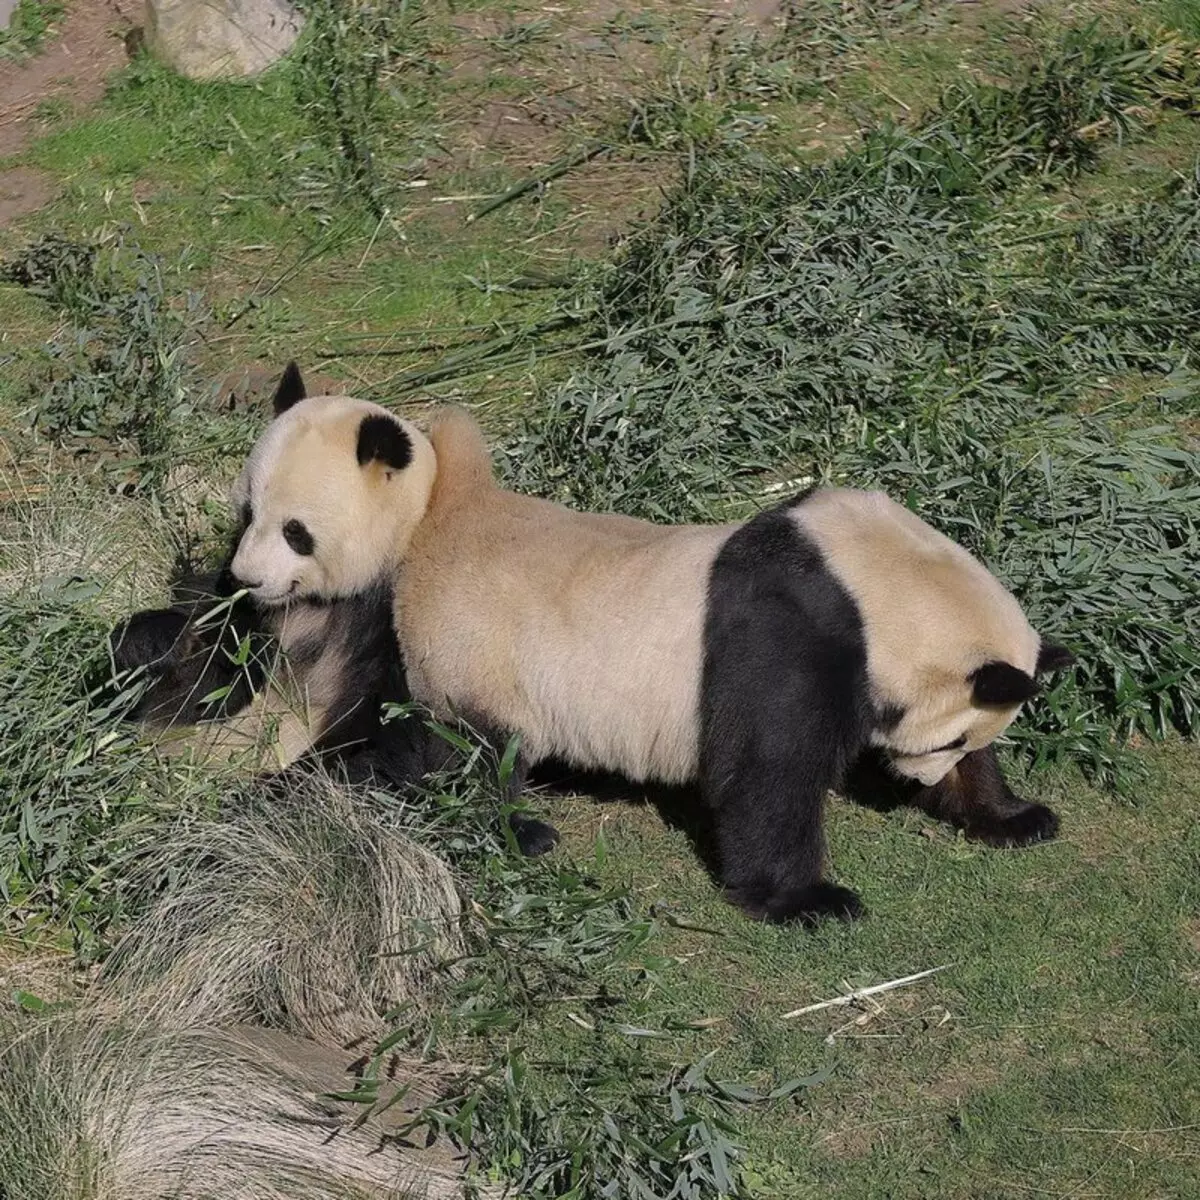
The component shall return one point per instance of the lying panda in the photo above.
(285, 680)
(761, 660)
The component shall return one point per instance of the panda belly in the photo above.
(621, 696)
(592, 655)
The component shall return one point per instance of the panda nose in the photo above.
(241, 581)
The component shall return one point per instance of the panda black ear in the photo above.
(380, 439)
(1000, 684)
(1053, 658)
(291, 389)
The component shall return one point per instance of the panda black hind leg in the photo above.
(533, 836)
(784, 710)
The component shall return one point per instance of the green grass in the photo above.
(1183, 15)
(980, 307)
(28, 26)
(1068, 997)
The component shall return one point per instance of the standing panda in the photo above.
(285, 680)
(761, 660)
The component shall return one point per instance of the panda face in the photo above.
(926, 741)
(327, 500)
(946, 748)
(951, 655)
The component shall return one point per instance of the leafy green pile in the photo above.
(74, 787)
(914, 316)
(117, 372)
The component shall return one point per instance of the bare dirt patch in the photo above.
(23, 190)
(88, 47)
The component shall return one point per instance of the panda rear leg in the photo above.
(534, 837)
(420, 753)
(974, 797)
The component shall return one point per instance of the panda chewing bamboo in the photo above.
(322, 663)
(761, 660)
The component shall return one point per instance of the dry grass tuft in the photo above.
(95, 1108)
(300, 909)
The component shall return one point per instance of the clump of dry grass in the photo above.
(95, 1107)
(57, 529)
(207, 1059)
(302, 907)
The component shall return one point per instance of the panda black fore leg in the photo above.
(783, 712)
(974, 797)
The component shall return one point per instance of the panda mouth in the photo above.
(279, 597)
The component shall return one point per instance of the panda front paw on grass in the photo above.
(761, 663)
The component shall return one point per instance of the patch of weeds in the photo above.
(517, 35)
(1085, 86)
(117, 372)
(347, 79)
(52, 110)
(730, 98)
(31, 21)
(826, 31)
(724, 103)
(884, 320)
(72, 786)
(1183, 15)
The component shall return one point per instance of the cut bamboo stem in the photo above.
(862, 993)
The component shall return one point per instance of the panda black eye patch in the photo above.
(296, 534)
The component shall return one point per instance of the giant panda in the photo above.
(289, 680)
(759, 660)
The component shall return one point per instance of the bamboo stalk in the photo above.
(559, 167)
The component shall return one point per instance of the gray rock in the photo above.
(220, 39)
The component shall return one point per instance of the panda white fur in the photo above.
(321, 663)
(761, 660)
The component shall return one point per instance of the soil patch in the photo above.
(23, 190)
(73, 68)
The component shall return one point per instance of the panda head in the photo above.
(329, 497)
(927, 739)
(951, 655)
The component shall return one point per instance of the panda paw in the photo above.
(763, 901)
(1033, 823)
(534, 837)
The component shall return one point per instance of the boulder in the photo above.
(220, 39)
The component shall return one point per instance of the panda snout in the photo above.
(251, 585)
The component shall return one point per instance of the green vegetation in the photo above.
(28, 26)
(904, 245)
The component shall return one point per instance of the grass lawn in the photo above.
(948, 249)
